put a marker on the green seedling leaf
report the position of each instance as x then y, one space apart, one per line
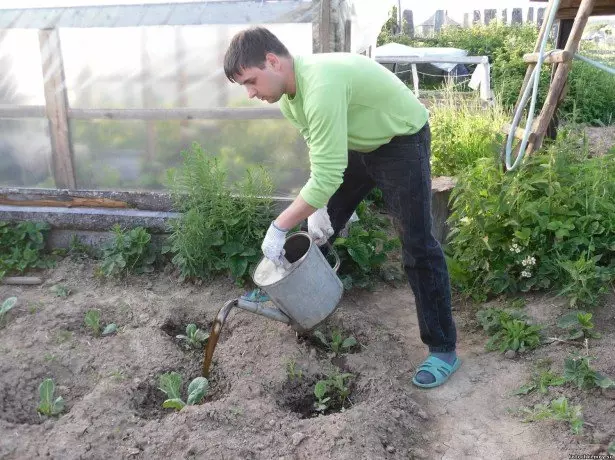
48 405
110 329
603 381
320 389
611 448
174 403
320 336
349 342
525 389
569 320
197 390
7 305
60 290
92 321
170 384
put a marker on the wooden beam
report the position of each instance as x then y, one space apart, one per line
519 132
555 57
56 101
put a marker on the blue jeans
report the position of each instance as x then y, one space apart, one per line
402 171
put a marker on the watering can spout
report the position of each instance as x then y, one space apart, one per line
258 308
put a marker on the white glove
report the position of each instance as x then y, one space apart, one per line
319 226
273 245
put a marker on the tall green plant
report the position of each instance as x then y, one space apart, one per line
550 224
221 225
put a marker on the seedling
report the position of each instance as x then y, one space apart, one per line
60 290
541 381
6 306
194 337
515 335
578 372
48 405
171 383
492 319
557 409
292 371
337 344
92 321
580 325
611 448
331 391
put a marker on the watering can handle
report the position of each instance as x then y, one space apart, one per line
337 257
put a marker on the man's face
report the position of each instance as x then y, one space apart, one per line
266 84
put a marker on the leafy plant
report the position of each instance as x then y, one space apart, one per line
49 405
92 321
60 290
128 252
338 344
6 306
332 392
557 409
221 226
578 371
194 337
515 335
580 325
171 383
547 225
611 448
541 381
292 371
21 247
492 319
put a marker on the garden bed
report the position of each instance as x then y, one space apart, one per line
260 402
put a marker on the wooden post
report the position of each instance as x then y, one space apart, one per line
561 75
415 80
147 96
325 26
563 32
56 106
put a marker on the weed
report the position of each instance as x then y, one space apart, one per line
21 247
195 337
62 335
338 344
541 380
515 335
118 375
128 252
492 319
580 325
577 371
49 405
92 321
557 409
171 383
60 290
292 372
6 306
332 392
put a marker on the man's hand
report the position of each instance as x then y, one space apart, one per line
319 226
273 244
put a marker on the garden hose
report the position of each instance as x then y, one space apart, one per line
533 86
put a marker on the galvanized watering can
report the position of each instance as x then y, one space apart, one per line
308 292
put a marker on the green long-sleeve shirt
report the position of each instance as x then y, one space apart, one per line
346 102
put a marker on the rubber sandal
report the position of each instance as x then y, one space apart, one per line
441 370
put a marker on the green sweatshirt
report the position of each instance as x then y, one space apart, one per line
346 102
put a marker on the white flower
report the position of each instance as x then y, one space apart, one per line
526 274
528 261
515 248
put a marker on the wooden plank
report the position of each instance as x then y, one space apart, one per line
415 80
56 101
519 132
555 57
73 202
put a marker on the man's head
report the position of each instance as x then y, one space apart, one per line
259 61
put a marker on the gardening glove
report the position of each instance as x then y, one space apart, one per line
273 245
319 226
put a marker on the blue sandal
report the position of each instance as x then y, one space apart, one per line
441 371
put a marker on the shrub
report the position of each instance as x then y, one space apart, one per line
222 225
550 224
21 247
128 251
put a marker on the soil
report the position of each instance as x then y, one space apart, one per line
254 410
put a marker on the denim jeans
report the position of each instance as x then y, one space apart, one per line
402 171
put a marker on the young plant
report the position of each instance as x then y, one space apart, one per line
60 290
171 384
541 381
292 371
515 335
578 372
92 321
194 337
6 306
332 391
580 325
557 409
611 448
492 319
49 405
338 344
22 246
128 252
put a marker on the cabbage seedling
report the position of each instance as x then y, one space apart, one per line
92 321
48 405
171 383
7 305
337 344
194 337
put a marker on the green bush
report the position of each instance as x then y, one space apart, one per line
222 225
462 132
129 251
550 224
22 246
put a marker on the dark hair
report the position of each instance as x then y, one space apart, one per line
248 48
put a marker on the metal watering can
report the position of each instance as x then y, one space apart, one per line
307 294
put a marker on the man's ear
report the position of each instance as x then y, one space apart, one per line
273 60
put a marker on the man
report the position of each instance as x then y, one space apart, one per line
364 129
